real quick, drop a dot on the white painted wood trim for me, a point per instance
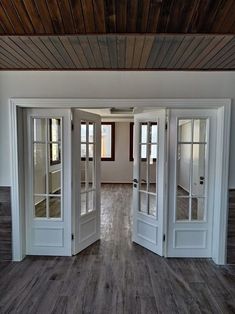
(219, 248)
(17, 222)
(132, 102)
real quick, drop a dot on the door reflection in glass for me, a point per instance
(191, 169)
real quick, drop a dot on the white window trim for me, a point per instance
(219, 251)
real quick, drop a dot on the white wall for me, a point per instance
(109, 84)
(119, 170)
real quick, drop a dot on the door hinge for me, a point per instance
(164, 237)
(72, 126)
(166, 126)
(72, 236)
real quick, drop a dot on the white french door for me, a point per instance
(48, 178)
(149, 180)
(86, 178)
(191, 182)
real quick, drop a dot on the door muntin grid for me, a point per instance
(47, 178)
(87, 169)
(191, 170)
(148, 163)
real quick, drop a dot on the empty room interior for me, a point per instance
(117, 156)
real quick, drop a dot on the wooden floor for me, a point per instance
(116, 276)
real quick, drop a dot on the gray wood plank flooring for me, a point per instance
(116, 276)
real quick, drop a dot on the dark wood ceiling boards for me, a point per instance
(28, 17)
(118, 52)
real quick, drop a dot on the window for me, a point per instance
(107, 140)
(144, 128)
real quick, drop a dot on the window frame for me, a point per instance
(112, 158)
(131, 146)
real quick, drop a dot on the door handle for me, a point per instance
(135, 180)
(202, 180)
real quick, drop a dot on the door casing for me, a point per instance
(223, 107)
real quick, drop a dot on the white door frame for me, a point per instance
(219, 252)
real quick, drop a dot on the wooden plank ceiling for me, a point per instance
(121, 34)
(171, 52)
(116, 16)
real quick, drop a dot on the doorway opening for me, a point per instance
(115, 172)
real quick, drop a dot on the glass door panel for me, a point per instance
(87, 169)
(148, 165)
(47, 167)
(191, 169)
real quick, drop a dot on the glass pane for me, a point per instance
(199, 169)
(153, 169)
(106, 140)
(91, 151)
(184, 130)
(40, 206)
(152, 205)
(153, 186)
(83, 176)
(83, 132)
(90, 174)
(54, 207)
(39, 130)
(39, 162)
(153, 130)
(143, 203)
(199, 131)
(153, 153)
(143, 149)
(54, 130)
(91, 132)
(198, 208)
(90, 201)
(143, 175)
(83, 150)
(55, 182)
(83, 203)
(144, 133)
(182, 208)
(55, 154)
(183, 169)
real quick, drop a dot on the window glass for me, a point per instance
(185, 130)
(106, 138)
(107, 141)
